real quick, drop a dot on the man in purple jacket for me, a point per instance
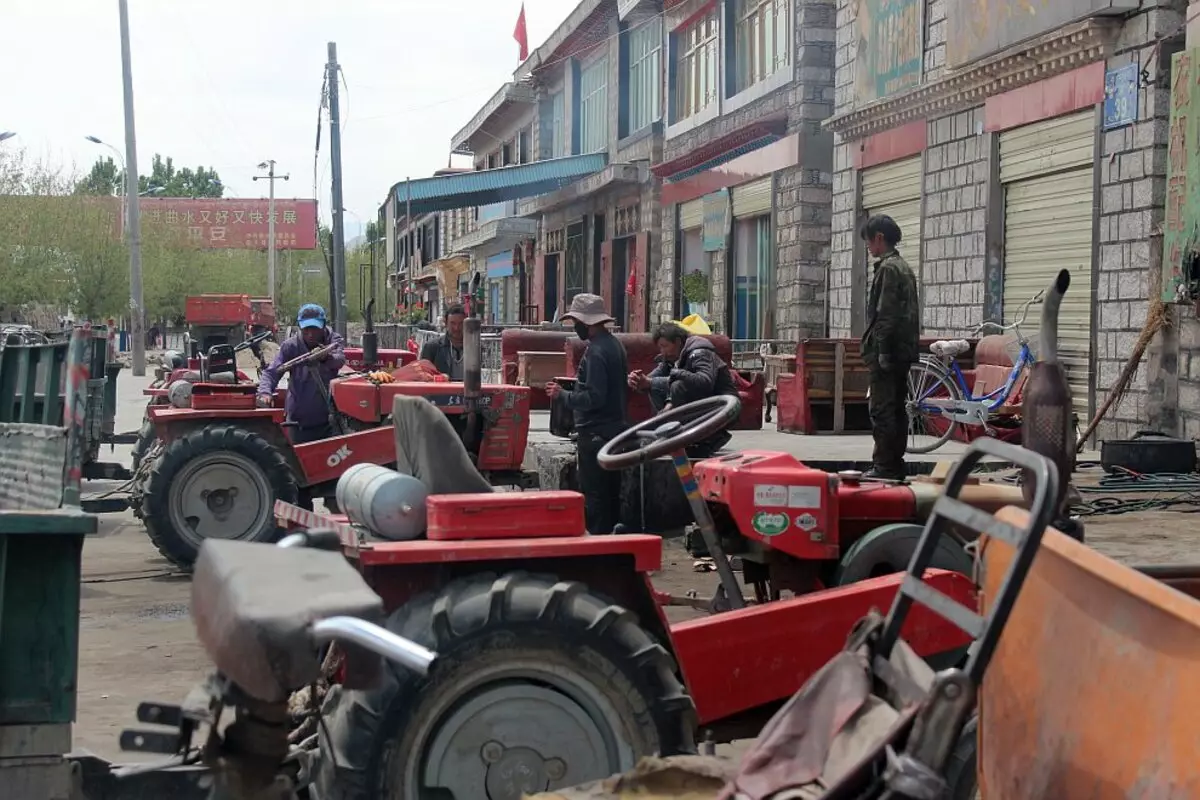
(306, 404)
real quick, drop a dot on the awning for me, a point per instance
(483, 187)
(614, 174)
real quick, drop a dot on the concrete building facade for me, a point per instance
(1011, 140)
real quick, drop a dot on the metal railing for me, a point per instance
(748, 353)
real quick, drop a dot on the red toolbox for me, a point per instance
(504, 515)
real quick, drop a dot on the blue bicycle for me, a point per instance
(939, 399)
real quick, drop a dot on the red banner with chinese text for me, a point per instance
(232, 223)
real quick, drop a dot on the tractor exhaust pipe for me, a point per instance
(370, 339)
(473, 375)
(1046, 412)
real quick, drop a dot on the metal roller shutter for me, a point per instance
(1047, 169)
(691, 214)
(753, 199)
(895, 189)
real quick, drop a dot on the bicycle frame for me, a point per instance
(971, 409)
(999, 396)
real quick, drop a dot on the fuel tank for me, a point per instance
(385, 502)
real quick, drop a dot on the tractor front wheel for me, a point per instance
(145, 441)
(216, 482)
(538, 684)
(888, 549)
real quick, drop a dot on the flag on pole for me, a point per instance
(521, 34)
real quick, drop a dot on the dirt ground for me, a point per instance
(137, 641)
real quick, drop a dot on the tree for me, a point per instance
(106, 179)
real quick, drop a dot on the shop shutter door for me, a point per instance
(1047, 169)
(691, 214)
(895, 189)
(1048, 227)
(753, 199)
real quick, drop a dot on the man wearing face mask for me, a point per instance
(598, 404)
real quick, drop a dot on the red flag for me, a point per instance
(521, 34)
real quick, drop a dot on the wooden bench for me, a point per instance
(537, 368)
(43, 411)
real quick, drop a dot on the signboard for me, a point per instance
(717, 218)
(976, 29)
(890, 53)
(1183, 176)
(237, 224)
(1120, 96)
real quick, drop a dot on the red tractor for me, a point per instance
(558, 664)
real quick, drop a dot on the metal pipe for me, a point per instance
(1048, 331)
(407, 654)
(708, 530)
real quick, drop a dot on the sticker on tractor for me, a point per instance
(770, 495)
(770, 523)
(339, 455)
(804, 497)
(806, 522)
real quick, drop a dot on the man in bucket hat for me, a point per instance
(598, 404)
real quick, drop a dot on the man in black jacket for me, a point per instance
(688, 370)
(598, 404)
(446, 352)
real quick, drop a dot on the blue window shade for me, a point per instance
(500, 265)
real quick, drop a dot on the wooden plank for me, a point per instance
(839, 399)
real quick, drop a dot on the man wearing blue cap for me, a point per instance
(306, 405)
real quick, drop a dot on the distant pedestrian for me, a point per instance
(890, 345)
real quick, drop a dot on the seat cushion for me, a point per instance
(950, 348)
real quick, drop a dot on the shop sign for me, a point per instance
(718, 216)
(890, 53)
(1120, 96)
(1183, 177)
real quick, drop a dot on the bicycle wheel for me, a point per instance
(927, 428)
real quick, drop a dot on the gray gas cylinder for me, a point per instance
(179, 394)
(385, 502)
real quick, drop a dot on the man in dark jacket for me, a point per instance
(306, 404)
(446, 352)
(688, 370)
(890, 345)
(598, 404)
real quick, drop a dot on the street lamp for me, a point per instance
(270, 178)
(124, 182)
(4, 135)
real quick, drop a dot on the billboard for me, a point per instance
(890, 50)
(232, 223)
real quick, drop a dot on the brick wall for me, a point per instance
(954, 224)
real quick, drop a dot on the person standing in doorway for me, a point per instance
(598, 405)
(446, 352)
(889, 345)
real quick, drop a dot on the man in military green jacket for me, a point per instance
(889, 345)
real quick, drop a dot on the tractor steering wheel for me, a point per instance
(675, 430)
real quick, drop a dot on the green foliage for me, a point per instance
(186, 182)
(696, 287)
(105, 179)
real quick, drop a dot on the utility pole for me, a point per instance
(270, 177)
(137, 326)
(335, 172)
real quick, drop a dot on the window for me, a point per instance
(558, 126)
(645, 74)
(761, 40)
(593, 107)
(695, 50)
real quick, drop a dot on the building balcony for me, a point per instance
(497, 233)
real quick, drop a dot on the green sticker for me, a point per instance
(770, 523)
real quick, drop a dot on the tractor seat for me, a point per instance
(253, 605)
(949, 348)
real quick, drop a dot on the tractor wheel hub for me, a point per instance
(220, 495)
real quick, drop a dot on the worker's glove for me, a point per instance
(380, 377)
(264, 401)
(885, 362)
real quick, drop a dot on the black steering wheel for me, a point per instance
(674, 430)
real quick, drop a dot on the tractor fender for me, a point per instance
(888, 549)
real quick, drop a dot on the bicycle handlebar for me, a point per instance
(1024, 313)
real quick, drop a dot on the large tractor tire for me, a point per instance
(145, 441)
(962, 779)
(217, 482)
(538, 684)
(888, 549)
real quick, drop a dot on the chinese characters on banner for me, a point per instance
(890, 47)
(233, 223)
(1183, 175)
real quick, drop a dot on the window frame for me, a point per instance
(644, 75)
(593, 101)
(757, 37)
(558, 124)
(700, 36)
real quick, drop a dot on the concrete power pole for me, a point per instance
(270, 178)
(335, 173)
(133, 209)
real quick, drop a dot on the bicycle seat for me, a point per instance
(949, 348)
(253, 603)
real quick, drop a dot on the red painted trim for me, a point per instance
(751, 166)
(1053, 97)
(703, 10)
(736, 660)
(893, 145)
(722, 144)
(646, 550)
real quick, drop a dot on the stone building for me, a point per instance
(746, 166)
(1011, 139)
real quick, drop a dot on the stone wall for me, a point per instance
(954, 224)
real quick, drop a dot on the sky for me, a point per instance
(228, 85)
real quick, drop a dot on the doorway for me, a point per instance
(621, 249)
(575, 278)
(550, 286)
(597, 245)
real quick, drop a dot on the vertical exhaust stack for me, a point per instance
(1046, 413)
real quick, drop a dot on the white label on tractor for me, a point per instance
(804, 497)
(770, 495)
(806, 522)
(338, 456)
